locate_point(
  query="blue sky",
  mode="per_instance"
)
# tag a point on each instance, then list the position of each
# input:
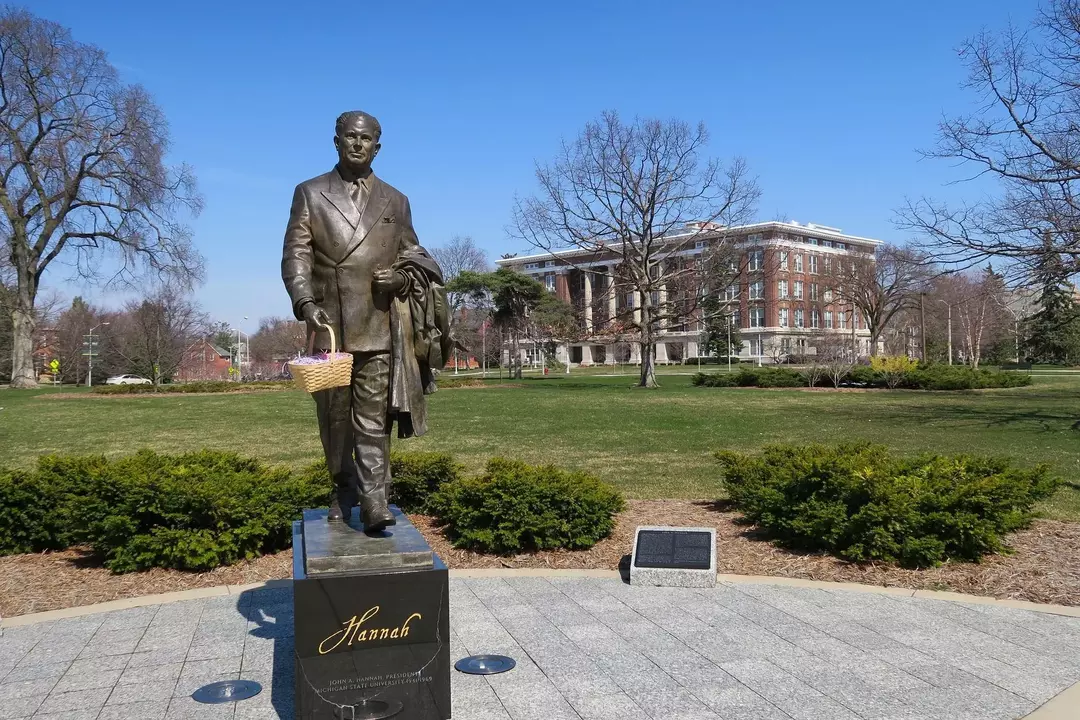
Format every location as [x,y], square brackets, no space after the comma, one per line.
[829,102]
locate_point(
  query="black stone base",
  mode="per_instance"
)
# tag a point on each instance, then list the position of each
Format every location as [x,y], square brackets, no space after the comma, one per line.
[371,641]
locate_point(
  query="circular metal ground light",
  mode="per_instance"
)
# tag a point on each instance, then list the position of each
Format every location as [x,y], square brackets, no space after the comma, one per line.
[369,710]
[485,664]
[227,691]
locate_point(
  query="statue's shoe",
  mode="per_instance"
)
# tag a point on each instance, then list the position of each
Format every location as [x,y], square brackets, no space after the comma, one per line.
[337,513]
[377,517]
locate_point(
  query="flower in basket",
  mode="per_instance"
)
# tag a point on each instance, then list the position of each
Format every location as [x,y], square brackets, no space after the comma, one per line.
[318,358]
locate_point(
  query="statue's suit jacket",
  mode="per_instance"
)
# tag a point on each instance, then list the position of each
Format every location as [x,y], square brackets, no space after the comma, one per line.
[332,249]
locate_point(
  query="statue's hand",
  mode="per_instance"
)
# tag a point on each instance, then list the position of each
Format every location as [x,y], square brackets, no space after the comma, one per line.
[315,314]
[388,281]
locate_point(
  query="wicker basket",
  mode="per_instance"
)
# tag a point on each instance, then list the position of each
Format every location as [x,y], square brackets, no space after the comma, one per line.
[332,373]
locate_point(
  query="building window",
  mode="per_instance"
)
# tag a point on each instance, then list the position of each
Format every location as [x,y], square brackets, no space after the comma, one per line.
[782,289]
[798,289]
[630,300]
[731,293]
[549,282]
[800,318]
[798,263]
[813,291]
[700,244]
[549,263]
[754,238]
[828,319]
[841,246]
[531,266]
[783,317]
[757,317]
[828,265]
[783,260]
[757,290]
[827,243]
[654,298]
[841,320]
[813,264]
[813,241]
[815,318]
[756,259]
[736,319]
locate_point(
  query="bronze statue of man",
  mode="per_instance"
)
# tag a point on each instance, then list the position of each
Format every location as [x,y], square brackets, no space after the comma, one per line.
[352,262]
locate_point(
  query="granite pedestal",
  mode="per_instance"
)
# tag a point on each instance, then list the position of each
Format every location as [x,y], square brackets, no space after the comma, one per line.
[674,557]
[372,615]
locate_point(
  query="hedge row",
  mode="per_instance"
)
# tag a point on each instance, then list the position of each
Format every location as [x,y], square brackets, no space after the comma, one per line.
[512,507]
[863,504]
[199,511]
[923,377]
[195,511]
[201,386]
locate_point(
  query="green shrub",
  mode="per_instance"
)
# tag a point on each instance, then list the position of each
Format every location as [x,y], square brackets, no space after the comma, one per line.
[195,511]
[41,509]
[202,386]
[714,360]
[416,475]
[765,377]
[514,507]
[959,377]
[863,504]
[864,375]
[713,379]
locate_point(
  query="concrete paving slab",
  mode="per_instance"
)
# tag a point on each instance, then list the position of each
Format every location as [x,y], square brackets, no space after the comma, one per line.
[588,648]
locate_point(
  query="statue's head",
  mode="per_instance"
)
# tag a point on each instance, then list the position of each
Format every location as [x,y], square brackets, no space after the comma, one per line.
[356,137]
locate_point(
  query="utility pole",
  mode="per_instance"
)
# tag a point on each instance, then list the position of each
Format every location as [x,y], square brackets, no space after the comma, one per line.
[90,354]
[922,325]
[729,343]
[949,330]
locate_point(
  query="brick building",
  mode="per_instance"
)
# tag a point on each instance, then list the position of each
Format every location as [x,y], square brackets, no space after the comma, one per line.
[204,361]
[780,300]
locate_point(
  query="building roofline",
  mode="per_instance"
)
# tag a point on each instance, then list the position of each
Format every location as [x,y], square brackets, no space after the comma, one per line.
[798,228]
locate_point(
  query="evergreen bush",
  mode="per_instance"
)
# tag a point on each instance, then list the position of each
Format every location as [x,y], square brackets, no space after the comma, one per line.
[514,507]
[863,504]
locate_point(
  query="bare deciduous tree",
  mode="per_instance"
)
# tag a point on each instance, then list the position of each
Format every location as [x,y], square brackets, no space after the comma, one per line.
[1026,135]
[151,335]
[834,355]
[979,309]
[278,339]
[880,286]
[631,191]
[82,173]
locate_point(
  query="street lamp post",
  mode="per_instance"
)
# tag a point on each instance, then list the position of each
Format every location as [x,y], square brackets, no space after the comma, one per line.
[239,354]
[729,343]
[948,327]
[90,354]
[1016,331]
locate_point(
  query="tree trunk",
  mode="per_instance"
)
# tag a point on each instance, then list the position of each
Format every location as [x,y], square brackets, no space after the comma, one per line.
[515,356]
[648,344]
[22,347]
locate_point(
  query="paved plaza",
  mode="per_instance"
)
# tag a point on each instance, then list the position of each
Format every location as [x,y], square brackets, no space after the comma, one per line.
[587,649]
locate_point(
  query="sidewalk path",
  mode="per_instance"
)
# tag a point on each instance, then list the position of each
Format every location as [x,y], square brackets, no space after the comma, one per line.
[587,649]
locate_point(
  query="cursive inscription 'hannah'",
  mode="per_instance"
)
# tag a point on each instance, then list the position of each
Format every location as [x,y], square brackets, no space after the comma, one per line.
[352,631]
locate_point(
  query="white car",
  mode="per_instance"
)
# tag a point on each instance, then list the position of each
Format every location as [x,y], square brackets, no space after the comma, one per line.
[127,380]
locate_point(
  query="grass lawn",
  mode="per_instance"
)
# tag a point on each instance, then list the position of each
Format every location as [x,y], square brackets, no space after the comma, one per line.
[652,443]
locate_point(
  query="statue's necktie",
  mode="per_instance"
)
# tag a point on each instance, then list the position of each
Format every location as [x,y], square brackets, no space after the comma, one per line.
[358,193]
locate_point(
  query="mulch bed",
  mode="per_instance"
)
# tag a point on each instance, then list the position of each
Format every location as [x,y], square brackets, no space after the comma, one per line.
[1044,568]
